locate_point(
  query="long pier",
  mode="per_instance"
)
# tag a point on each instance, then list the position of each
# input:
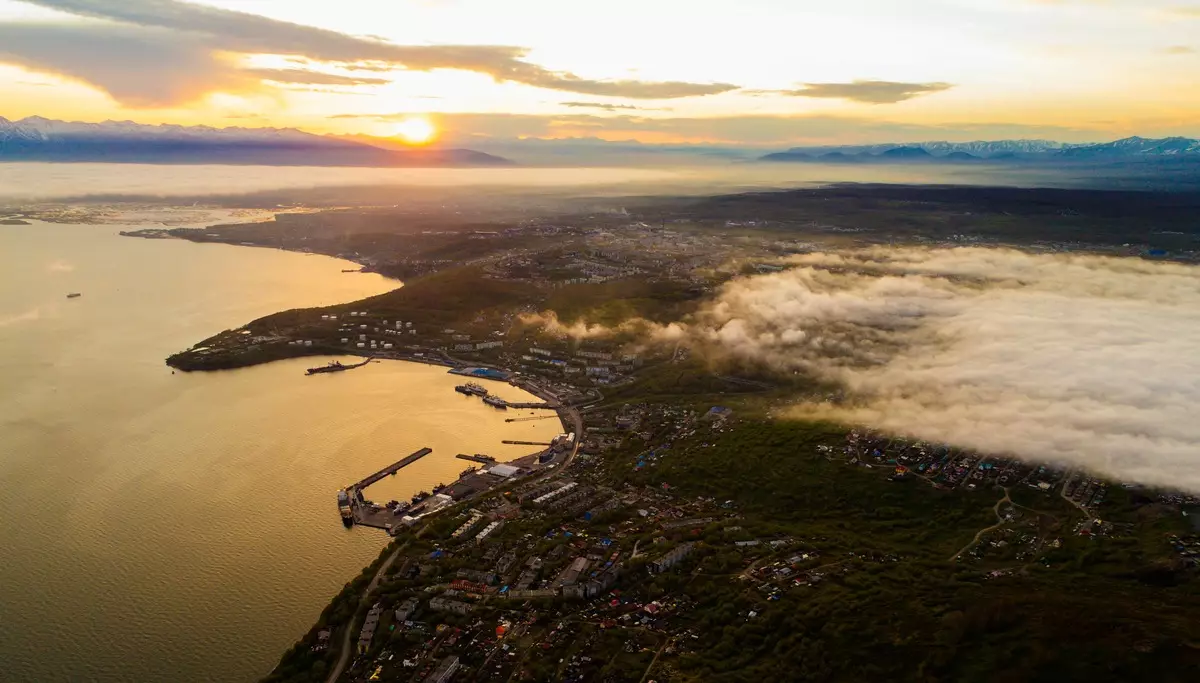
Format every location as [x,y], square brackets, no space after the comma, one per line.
[485,459]
[392,469]
[526,443]
[543,406]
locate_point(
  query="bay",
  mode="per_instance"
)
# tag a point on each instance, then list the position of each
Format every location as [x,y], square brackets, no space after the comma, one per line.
[183,527]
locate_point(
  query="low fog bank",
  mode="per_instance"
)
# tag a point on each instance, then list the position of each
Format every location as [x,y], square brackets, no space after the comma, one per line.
[1087,361]
[1082,360]
[331,186]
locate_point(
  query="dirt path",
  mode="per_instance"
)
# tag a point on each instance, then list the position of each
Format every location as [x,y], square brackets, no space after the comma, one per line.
[979,534]
[655,660]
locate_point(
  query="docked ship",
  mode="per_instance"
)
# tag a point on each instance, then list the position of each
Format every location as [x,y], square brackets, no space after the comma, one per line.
[335,366]
[344,508]
[496,402]
[471,389]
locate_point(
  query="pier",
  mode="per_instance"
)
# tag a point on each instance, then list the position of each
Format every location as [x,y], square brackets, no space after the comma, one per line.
[526,443]
[484,459]
[543,406]
[391,469]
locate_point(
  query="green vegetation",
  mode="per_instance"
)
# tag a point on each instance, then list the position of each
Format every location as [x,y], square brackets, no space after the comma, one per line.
[612,303]
[891,607]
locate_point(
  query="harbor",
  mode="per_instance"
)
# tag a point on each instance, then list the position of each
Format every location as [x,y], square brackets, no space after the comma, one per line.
[356,508]
[392,469]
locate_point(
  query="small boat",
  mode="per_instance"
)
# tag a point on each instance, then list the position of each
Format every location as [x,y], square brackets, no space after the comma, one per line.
[74,295]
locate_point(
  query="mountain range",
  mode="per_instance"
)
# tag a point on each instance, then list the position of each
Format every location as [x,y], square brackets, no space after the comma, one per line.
[39,139]
[1127,149]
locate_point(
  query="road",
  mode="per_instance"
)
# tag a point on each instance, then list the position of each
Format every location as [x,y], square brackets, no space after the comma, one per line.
[979,535]
[344,658]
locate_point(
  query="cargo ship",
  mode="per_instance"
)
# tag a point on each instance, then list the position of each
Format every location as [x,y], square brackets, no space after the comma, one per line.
[471,389]
[344,508]
[335,366]
[496,402]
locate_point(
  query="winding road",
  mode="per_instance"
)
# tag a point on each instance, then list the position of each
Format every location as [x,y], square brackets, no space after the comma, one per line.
[979,535]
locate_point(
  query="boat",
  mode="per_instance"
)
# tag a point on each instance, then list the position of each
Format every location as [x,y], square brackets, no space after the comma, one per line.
[471,389]
[344,508]
[335,366]
[496,402]
[74,295]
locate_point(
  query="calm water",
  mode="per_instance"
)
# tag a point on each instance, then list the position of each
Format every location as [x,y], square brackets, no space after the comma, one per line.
[161,527]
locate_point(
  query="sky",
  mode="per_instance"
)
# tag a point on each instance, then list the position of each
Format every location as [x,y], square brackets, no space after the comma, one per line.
[752,72]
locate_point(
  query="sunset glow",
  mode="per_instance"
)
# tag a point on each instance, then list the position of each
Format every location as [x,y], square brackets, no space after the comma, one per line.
[1069,70]
[416,131]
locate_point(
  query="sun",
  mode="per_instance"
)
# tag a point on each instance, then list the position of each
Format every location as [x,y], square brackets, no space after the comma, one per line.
[415,130]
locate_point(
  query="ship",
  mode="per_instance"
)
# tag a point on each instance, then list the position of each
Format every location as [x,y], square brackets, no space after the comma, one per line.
[471,389]
[74,295]
[344,508]
[335,366]
[496,402]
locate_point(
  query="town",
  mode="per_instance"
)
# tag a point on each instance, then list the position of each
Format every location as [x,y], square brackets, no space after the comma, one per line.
[616,566]
[683,527]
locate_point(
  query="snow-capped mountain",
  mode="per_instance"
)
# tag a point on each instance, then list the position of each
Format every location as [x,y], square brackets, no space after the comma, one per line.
[37,127]
[1137,147]
[1030,150]
[41,139]
[979,148]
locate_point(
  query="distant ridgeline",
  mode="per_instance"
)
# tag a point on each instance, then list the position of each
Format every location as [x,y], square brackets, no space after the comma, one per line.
[39,139]
[1128,149]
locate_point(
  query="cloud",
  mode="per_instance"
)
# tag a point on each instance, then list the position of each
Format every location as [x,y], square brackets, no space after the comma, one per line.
[306,77]
[1188,11]
[610,107]
[1088,361]
[207,32]
[136,66]
[580,330]
[1180,50]
[871,92]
